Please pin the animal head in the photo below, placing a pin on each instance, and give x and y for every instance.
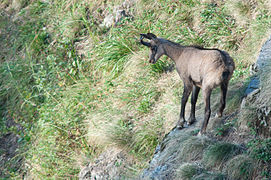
(155, 45)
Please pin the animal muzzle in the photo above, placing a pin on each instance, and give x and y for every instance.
(152, 59)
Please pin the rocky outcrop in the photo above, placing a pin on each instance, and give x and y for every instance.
(119, 12)
(183, 155)
(255, 107)
(111, 164)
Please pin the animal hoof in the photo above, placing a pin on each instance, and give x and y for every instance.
(190, 121)
(180, 125)
(218, 115)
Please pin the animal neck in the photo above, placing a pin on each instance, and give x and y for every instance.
(173, 50)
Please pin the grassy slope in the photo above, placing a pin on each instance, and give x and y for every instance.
(77, 88)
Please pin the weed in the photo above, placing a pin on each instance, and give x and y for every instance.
(221, 131)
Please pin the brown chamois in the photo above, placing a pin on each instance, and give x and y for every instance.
(198, 68)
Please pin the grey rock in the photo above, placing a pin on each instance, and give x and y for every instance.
(111, 164)
(262, 61)
(253, 85)
(119, 12)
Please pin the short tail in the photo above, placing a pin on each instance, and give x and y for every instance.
(225, 75)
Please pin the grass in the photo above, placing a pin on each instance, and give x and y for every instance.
(193, 148)
(188, 171)
(211, 176)
(259, 149)
(77, 88)
(219, 153)
(241, 167)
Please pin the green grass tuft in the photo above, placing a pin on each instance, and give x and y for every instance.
(241, 167)
(210, 176)
(187, 171)
(217, 154)
(193, 148)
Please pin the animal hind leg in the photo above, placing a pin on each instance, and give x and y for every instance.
(194, 98)
(186, 93)
(224, 88)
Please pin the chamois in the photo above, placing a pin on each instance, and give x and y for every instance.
(198, 68)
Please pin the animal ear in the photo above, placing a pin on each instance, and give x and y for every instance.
(148, 36)
(142, 36)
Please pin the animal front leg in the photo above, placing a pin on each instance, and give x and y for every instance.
(207, 96)
(186, 93)
(194, 98)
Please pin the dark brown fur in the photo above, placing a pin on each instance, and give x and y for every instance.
(198, 67)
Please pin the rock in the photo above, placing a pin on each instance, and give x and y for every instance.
(108, 21)
(174, 150)
(17, 5)
(255, 111)
(253, 86)
(119, 12)
(112, 164)
(262, 61)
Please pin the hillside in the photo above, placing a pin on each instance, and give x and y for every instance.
(78, 95)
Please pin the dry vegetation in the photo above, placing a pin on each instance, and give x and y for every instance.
(77, 88)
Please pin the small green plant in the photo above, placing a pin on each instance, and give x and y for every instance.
(260, 149)
(221, 131)
(122, 132)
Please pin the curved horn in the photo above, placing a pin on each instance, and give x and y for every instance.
(142, 36)
(148, 36)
